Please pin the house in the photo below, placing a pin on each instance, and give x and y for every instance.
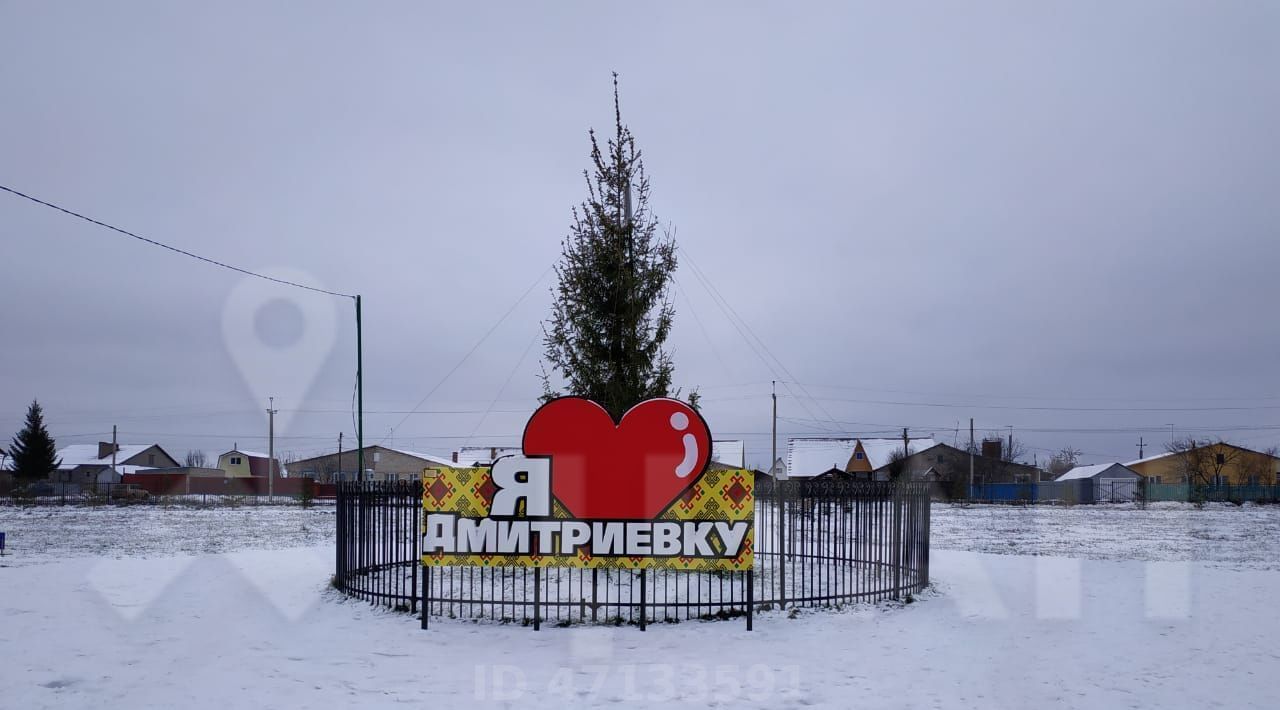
(92, 463)
(730, 454)
(241, 463)
(779, 469)
(948, 468)
(810, 457)
(1217, 463)
(381, 463)
(1113, 482)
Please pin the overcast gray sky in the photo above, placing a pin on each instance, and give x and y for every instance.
(1022, 212)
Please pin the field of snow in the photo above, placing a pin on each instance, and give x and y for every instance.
(44, 533)
(1221, 534)
(230, 608)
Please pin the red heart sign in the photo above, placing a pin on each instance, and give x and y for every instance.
(630, 471)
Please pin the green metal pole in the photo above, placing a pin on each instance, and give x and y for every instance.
(359, 397)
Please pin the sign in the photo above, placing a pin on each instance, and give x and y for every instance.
(589, 492)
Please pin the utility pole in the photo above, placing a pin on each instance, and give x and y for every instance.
(1140, 445)
(906, 441)
(271, 447)
(114, 446)
(339, 476)
(773, 458)
(359, 396)
(970, 458)
(1009, 456)
(778, 493)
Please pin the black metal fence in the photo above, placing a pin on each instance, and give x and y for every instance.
(818, 543)
(60, 493)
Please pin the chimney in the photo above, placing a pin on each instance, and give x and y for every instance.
(106, 448)
(992, 448)
(455, 457)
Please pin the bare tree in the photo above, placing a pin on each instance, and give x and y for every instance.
(196, 459)
(1258, 468)
(1203, 462)
(1063, 461)
(896, 467)
(1011, 450)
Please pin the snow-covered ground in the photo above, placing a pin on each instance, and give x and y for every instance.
(235, 612)
(1222, 534)
(46, 533)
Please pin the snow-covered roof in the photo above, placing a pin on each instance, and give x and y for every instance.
(87, 455)
(729, 453)
(133, 469)
(250, 454)
(442, 460)
(1148, 458)
(484, 455)
(810, 457)
(879, 451)
(1092, 470)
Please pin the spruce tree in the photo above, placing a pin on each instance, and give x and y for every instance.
(33, 452)
(611, 312)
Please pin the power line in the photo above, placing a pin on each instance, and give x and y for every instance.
(734, 319)
(987, 395)
(162, 245)
(952, 405)
(510, 375)
(475, 347)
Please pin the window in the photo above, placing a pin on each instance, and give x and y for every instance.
(235, 460)
(1220, 459)
(858, 455)
(1153, 479)
(151, 459)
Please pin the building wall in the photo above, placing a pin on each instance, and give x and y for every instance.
(387, 465)
(235, 470)
(151, 457)
(858, 465)
(953, 464)
(1240, 465)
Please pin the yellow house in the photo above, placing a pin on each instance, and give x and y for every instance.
(1216, 463)
(238, 463)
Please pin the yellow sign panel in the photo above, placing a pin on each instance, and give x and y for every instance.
(709, 526)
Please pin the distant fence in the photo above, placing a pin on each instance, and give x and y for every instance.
(1225, 493)
(818, 543)
(185, 484)
(157, 488)
(1084, 491)
(1070, 492)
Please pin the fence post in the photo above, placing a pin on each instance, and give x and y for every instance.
(896, 544)
(751, 596)
(426, 586)
(644, 593)
(595, 592)
(780, 497)
(537, 598)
